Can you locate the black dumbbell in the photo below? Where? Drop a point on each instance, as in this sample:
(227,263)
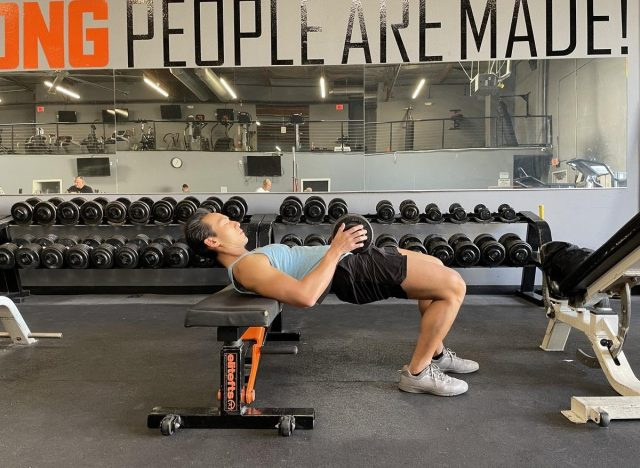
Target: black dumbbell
(164,239)
(409,212)
(203,261)
(24,239)
(78,256)
(437,246)
(28,256)
(314,240)
(465,252)
(53,256)
(213,204)
(350,220)
(139,211)
(93,240)
(152,255)
(291,210)
(518,251)
(103,257)
(432,214)
(458,214)
(291,240)
(314,210)
(235,208)
(116,211)
(141,240)
(385,213)
(482,213)
(68,212)
(117,240)
(47,239)
(177,255)
(128,255)
(386,240)
(337,208)
(69,241)
(22,211)
(492,252)
(507,214)
(413,243)
(185,209)
(92,211)
(162,211)
(45,212)
(8,256)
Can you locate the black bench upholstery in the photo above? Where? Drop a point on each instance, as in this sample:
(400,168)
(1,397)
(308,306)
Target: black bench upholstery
(228,308)
(619,246)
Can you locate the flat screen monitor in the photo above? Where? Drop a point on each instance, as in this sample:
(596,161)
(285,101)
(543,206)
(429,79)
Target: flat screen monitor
(67,116)
(109,116)
(93,167)
(263,166)
(170,112)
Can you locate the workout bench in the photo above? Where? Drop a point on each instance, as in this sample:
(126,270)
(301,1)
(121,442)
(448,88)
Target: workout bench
(16,328)
(581,301)
(245,323)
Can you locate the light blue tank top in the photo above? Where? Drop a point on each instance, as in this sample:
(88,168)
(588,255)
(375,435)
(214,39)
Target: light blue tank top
(294,261)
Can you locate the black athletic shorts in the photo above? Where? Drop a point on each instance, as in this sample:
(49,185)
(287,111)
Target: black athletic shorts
(371,276)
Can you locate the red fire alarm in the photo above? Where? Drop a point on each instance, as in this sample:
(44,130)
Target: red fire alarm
(339,106)
(39,109)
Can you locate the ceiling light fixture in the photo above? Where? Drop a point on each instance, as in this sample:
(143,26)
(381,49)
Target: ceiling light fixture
(323,88)
(278,149)
(62,89)
(228,88)
(156,86)
(258,123)
(418,88)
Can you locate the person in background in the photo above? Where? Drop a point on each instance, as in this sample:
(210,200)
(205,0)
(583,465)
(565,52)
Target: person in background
(266,186)
(79,186)
(185,188)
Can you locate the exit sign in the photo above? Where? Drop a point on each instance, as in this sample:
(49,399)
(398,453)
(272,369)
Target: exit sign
(40,109)
(339,106)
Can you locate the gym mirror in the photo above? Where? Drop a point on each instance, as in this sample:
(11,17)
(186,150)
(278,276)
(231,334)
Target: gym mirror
(544,123)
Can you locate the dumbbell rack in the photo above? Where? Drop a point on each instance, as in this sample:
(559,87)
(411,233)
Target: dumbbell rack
(537,233)
(261,229)
(21,282)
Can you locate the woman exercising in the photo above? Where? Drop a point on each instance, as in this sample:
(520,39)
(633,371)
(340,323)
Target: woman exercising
(301,276)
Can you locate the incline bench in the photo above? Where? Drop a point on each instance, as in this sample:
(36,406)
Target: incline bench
(581,300)
(244,324)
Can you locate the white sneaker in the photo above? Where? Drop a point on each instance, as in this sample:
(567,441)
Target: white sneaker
(431,380)
(449,362)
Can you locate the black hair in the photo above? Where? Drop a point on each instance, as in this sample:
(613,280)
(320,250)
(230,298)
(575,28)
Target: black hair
(185,185)
(196,231)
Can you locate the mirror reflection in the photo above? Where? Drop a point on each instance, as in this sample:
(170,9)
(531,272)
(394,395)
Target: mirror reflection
(472,125)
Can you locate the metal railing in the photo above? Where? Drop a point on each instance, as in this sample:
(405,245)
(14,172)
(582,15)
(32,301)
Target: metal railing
(267,136)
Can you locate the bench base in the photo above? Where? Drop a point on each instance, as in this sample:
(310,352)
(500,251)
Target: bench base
(170,419)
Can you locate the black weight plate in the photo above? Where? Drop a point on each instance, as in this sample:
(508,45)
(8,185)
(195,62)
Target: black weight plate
(350,220)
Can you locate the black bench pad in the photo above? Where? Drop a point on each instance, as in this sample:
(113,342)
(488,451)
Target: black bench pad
(228,308)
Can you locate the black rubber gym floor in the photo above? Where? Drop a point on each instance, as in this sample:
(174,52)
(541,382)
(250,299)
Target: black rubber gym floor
(83,401)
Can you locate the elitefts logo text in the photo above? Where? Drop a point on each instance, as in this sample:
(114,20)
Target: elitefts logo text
(231,382)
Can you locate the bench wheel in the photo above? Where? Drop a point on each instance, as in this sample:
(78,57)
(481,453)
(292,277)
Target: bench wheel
(287,425)
(170,424)
(605,420)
